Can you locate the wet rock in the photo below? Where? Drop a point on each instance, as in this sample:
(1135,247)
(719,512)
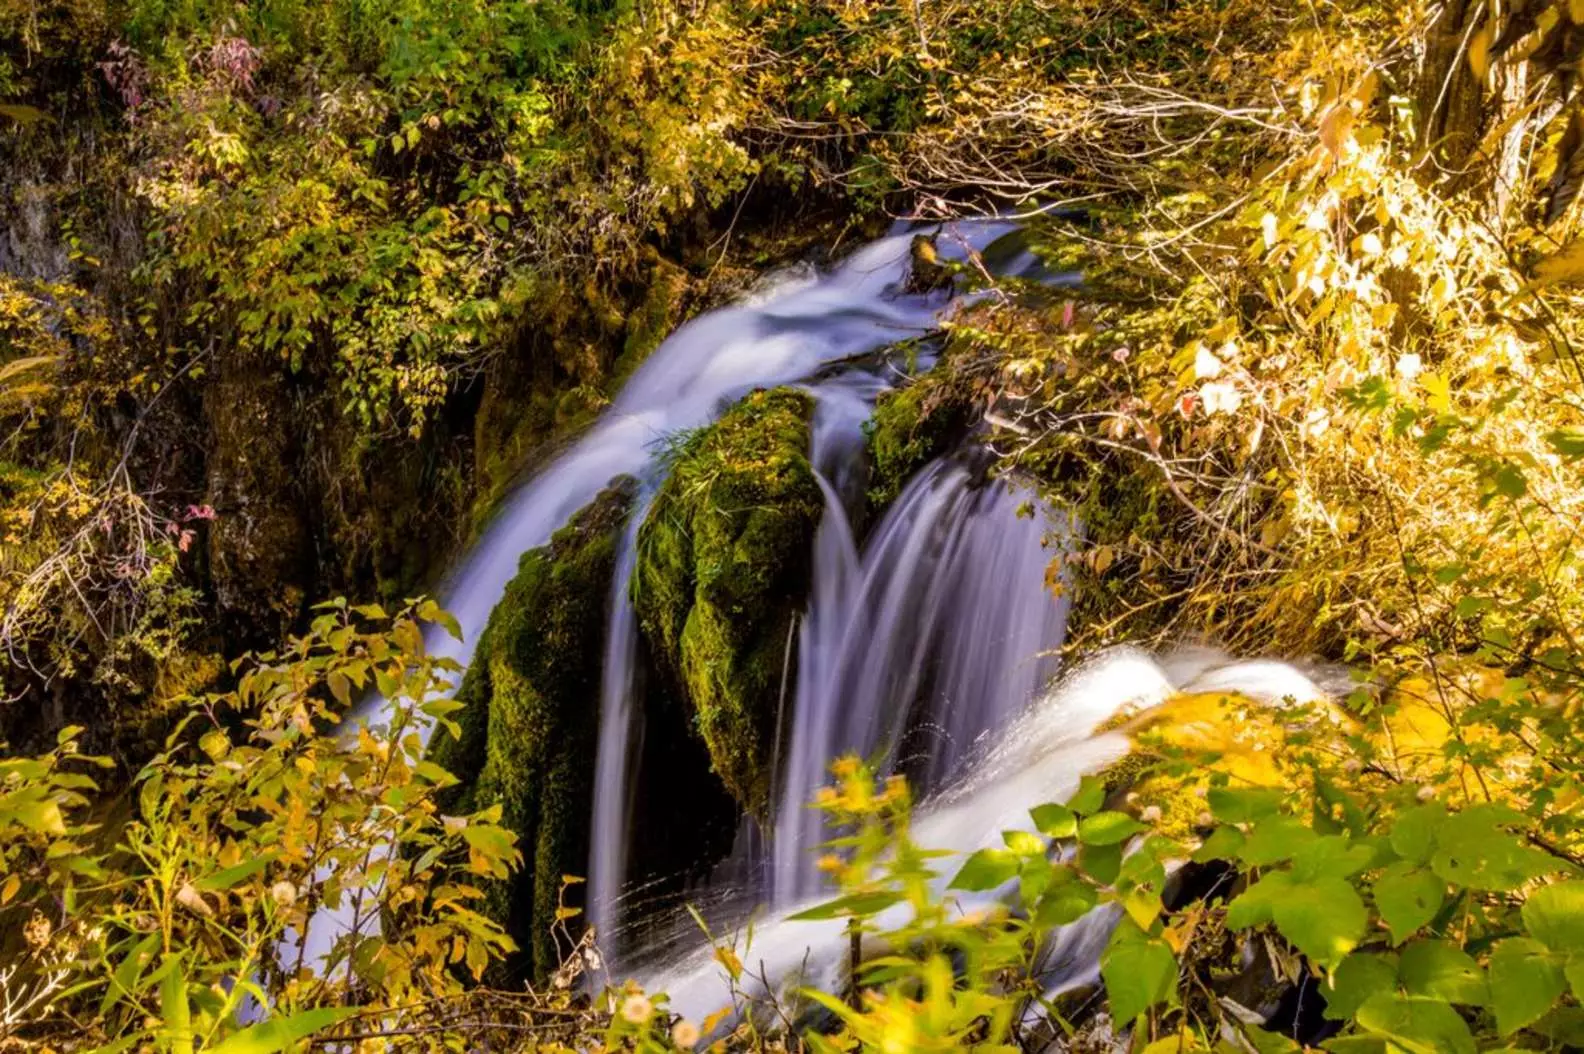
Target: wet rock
(531,719)
(723,568)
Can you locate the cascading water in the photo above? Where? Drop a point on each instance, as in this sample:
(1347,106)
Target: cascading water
(921,648)
(947,632)
(787,331)
(1038,757)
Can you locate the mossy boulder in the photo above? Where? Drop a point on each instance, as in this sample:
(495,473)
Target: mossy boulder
(723,567)
(531,719)
(914,425)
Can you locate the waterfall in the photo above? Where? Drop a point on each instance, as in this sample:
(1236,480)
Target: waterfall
(947,633)
(926,644)
(976,651)
(1039,756)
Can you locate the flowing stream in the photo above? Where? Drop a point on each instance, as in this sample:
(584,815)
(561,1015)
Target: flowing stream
(925,640)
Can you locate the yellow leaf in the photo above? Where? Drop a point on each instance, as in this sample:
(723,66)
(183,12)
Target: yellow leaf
(1438,392)
(12,884)
(1479,52)
(1576,11)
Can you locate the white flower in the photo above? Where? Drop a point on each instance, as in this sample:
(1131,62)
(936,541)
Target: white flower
(685,1034)
(1409,365)
(637,1008)
(1206,365)
(1220,397)
(284,893)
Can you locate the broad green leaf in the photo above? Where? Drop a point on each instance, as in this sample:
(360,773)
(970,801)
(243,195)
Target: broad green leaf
(1413,834)
(1525,981)
(1256,905)
(1107,828)
(1416,1024)
(281,1033)
(1244,804)
(1139,972)
(1554,915)
(1223,844)
(1356,979)
(986,870)
(1474,851)
(1275,838)
(1325,918)
(1054,821)
(1441,970)
(1090,796)
(1101,862)
(1065,904)
(1569,442)
(1334,856)
(1574,970)
(1408,898)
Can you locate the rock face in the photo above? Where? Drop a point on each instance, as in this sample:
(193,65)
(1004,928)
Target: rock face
(914,425)
(532,717)
(723,568)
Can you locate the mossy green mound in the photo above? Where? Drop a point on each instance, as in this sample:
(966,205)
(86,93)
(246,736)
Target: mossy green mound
(532,718)
(914,425)
(723,567)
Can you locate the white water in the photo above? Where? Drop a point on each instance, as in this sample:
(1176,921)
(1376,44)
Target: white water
(1039,757)
(945,632)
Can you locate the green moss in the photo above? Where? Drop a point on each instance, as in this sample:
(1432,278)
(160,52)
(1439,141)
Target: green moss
(529,727)
(662,309)
(914,425)
(723,566)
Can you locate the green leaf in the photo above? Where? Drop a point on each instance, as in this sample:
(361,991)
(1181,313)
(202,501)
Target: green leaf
(176,1028)
(1574,969)
(124,980)
(1054,821)
(1325,918)
(1413,835)
(861,905)
(1101,862)
(1474,851)
(1441,970)
(1569,442)
(1244,804)
(1554,915)
(1416,1024)
(281,1033)
(1275,838)
(1223,844)
(1525,981)
(1256,905)
(1139,972)
(1107,828)
(1356,979)
(1090,796)
(1407,898)
(986,870)
(1333,856)
(232,875)
(1065,904)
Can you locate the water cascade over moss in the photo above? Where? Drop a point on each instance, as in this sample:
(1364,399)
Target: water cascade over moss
(532,715)
(723,567)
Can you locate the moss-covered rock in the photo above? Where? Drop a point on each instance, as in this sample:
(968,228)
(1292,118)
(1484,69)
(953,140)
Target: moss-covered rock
(914,425)
(528,730)
(723,567)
